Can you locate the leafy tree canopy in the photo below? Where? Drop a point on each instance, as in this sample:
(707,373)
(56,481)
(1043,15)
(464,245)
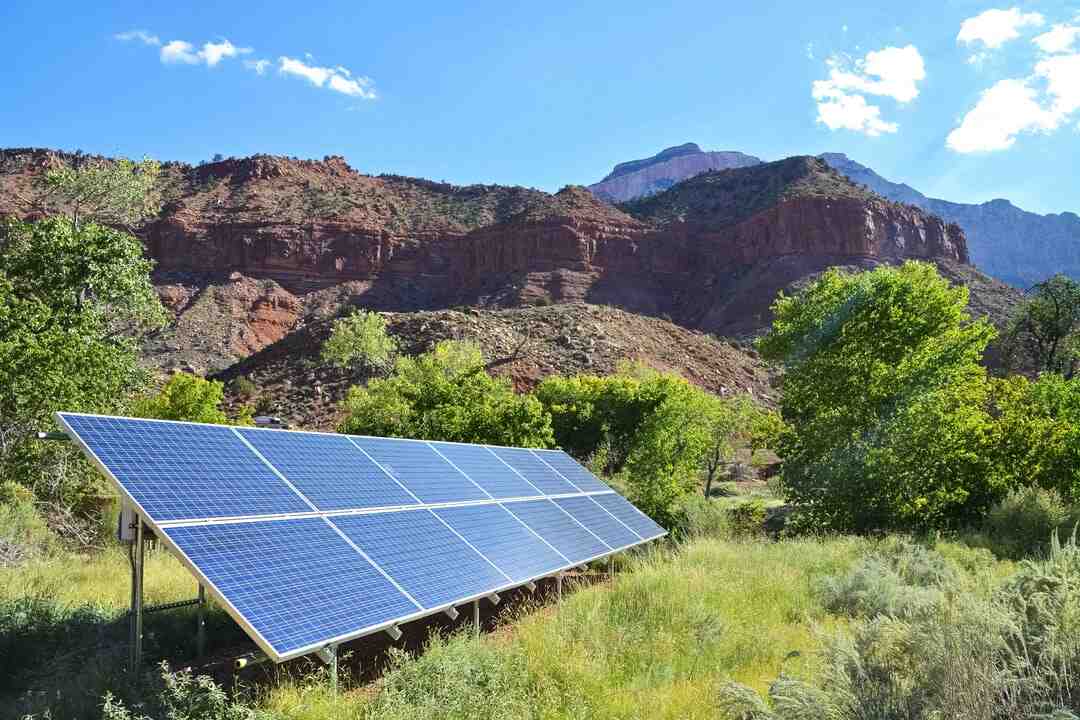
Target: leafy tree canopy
(188,397)
(1045,330)
(884,399)
(445,394)
(120,193)
(360,339)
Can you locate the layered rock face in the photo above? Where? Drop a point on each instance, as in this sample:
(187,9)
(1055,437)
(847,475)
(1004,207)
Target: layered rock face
(710,252)
(639,178)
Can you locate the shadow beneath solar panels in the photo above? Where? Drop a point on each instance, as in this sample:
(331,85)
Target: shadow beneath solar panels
(365,659)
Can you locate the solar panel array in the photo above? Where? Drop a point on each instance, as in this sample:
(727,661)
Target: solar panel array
(309,539)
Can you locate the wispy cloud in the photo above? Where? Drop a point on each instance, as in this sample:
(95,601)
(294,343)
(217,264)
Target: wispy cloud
(259,66)
(892,72)
(181,52)
(141,35)
(338,78)
(211,53)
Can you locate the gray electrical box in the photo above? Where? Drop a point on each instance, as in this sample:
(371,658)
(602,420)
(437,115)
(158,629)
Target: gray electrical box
(125,531)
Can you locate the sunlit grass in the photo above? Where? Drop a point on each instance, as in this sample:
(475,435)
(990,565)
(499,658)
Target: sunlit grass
(102,579)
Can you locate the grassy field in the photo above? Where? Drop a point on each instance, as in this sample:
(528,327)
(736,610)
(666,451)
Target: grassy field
(653,643)
(677,625)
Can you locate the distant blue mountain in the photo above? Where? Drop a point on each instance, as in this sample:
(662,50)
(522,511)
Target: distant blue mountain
(1014,245)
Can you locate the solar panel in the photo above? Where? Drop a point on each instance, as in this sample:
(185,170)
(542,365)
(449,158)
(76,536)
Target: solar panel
(594,517)
(421,553)
(572,470)
(535,470)
(297,583)
(420,469)
(496,477)
(329,470)
(629,515)
(309,539)
(562,531)
(177,471)
(506,541)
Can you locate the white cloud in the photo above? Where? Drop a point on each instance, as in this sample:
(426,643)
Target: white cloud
(994,28)
(259,66)
(212,53)
(337,78)
(1005,110)
(892,72)
(1058,39)
(180,51)
(810,51)
(142,36)
(838,110)
(1062,76)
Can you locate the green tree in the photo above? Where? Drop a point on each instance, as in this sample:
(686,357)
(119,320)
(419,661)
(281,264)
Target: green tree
(446,394)
(884,400)
(360,339)
(188,397)
(729,422)
(1045,329)
(73,304)
(1035,438)
(119,193)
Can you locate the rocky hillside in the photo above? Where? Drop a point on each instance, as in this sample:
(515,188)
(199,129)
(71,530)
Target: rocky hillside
(638,178)
(251,251)
(1014,245)
(567,338)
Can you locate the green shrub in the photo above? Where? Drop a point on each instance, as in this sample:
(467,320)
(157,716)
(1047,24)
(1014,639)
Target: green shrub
(924,643)
(244,388)
(180,696)
(747,517)
(698,517)
(360,339)
(1022,523)
(902,580)
(23,533)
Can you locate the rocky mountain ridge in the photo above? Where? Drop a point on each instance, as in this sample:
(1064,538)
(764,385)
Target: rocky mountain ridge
(249,251)
(1017,246)
(638,178)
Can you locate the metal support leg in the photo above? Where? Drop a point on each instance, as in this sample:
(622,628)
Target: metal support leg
(611,567)
(476,616)
(200,636)
(137,599)
(333,669)
(558,586)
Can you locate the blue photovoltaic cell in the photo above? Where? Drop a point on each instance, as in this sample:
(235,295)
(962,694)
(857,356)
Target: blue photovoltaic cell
(424,556)
(592,516)
(572,471)
(633,518)
(562,531)
(504,540)
(328,469)
(534,470)
(420,469)
(486,470)
(295,581)
(178,470)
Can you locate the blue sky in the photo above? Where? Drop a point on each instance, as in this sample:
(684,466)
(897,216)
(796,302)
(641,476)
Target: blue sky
(959,102)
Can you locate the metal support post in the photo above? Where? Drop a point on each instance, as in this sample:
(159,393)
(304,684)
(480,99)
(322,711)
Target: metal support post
(476,616)
(333,669)
(611,567)
(200,635)
(558,586)
(137,598)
